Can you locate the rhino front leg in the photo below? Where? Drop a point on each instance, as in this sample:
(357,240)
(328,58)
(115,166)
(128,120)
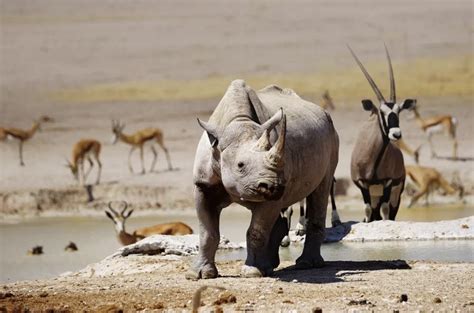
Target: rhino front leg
(209,204)
(258,262)
(316,207)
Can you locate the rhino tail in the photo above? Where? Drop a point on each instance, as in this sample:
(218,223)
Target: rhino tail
(335,220)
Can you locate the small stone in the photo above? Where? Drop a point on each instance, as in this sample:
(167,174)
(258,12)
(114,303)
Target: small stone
(437,300)
(403,297)
(4,295)
(43,294)
(317,310)
(294,281)
(288,301)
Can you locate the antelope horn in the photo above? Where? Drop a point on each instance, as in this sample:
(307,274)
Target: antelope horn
(393,97)
(277,152)
(112,209)
(369,79)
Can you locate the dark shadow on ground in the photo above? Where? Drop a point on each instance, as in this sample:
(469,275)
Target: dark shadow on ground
(334,271)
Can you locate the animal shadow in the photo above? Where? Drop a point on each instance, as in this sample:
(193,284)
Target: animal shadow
(335,271)
(337,233)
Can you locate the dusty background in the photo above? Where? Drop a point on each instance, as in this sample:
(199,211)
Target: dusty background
(165,63)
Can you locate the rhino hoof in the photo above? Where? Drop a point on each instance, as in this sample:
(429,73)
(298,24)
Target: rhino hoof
(302,264)
(206,272)
(250,272)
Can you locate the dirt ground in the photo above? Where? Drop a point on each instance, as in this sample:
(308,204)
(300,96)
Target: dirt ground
(56,45)
(362,286)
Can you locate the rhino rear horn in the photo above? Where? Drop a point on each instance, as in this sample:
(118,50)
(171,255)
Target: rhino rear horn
(276,155)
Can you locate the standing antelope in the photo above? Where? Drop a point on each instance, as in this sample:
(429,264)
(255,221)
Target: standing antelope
(146,136)
(326,102)
(85,149)
(438,124)
(427,179)
(402,145)
(125,238)
(21,135)
(377,165)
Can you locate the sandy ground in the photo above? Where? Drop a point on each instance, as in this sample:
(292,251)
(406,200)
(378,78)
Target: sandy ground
(364,286)
(57,45)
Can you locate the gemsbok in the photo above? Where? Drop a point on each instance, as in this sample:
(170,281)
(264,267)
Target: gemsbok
(438,124)
(85,149)
(428,179)
(147,136)
(377,165)
(21,135)
(126,238)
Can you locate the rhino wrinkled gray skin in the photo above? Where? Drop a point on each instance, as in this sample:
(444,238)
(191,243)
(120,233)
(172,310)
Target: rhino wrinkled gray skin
(264,150)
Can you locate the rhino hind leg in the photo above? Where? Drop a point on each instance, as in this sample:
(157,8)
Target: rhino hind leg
(316,210)
(261,251)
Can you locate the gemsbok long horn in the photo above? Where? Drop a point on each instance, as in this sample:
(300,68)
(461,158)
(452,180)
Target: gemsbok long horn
(369,79)
(393,97)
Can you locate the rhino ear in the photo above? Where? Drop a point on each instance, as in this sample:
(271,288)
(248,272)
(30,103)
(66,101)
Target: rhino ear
(212,132)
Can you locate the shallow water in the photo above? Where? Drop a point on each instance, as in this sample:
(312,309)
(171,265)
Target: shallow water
(96,239)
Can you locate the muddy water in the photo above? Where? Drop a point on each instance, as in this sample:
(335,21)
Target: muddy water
(96,239)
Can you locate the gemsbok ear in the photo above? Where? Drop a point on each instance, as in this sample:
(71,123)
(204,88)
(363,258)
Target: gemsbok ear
(368,105)
(212,132)
(408,104)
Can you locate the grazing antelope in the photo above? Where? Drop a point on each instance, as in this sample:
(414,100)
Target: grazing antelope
(327,102)
(402,145)
(21,135)
(138,140)
(85,149)
(428,179)
(377,165)
(125,238)
(438,124)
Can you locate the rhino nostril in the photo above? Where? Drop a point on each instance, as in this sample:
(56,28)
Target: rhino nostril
(263,186)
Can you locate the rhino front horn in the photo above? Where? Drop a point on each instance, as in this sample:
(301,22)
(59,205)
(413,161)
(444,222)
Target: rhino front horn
(276,155)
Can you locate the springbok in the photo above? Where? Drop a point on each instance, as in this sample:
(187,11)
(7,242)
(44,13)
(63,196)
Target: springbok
(139,139)
(438,124)
(415,154)
(377,165)
(85,149)
(125,238)
(428,179)
(327,102)
(21,135)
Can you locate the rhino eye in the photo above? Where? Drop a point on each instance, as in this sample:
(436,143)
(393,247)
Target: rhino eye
(240,165)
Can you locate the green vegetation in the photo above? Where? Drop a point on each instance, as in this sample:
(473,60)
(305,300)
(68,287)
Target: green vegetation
(427,77)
